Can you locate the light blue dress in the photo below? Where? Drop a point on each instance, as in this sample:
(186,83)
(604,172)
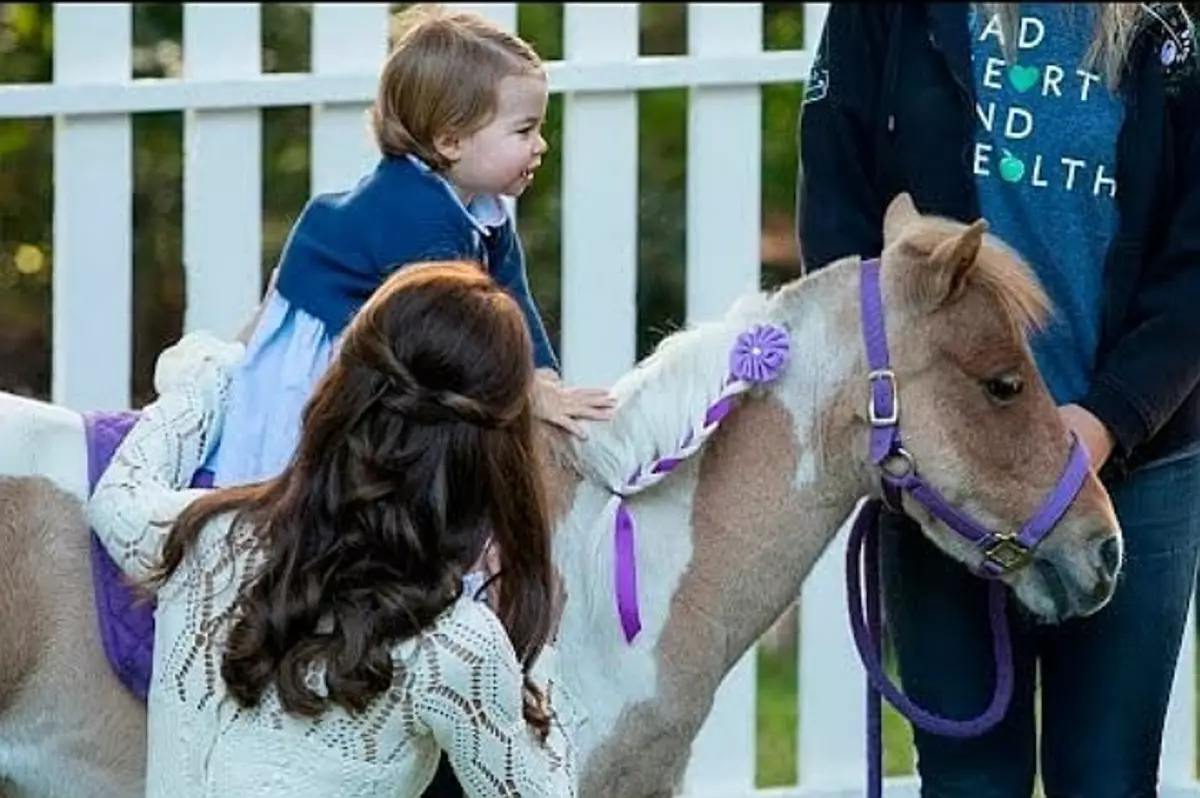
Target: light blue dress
(286,356)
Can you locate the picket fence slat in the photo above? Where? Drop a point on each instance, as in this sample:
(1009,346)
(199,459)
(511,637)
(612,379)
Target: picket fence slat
(724,230)
(92,281)
(347,39)
(600,201)
(222,177)
(1178,765)
(832,694)
(724,165)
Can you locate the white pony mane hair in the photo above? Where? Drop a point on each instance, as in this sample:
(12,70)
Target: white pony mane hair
(667,394)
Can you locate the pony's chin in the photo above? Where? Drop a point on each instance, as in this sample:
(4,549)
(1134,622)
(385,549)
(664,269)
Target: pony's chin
(1046,594)
(1033,599)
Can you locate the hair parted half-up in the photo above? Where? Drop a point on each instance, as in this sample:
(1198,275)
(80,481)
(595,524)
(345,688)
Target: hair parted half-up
(415,449)
(442,78)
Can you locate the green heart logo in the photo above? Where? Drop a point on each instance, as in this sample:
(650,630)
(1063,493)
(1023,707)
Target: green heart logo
(1012,168)
(1023,78)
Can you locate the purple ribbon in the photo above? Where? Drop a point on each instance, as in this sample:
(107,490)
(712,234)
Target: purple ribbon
(627,595)
(758,356)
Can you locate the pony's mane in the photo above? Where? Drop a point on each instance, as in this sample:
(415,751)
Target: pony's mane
(667,394)
(999,270)
(1003,273)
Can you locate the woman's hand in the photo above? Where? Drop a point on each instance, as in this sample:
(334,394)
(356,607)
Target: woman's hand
(564,407)
(1089,429)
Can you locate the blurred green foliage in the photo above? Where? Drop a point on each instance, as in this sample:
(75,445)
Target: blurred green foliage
(26,159)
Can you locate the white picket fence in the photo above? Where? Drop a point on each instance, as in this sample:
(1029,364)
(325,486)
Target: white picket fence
(223,92)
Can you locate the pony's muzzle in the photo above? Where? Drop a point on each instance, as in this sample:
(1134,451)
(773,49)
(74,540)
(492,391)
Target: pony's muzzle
(1111,555)
(1076,581)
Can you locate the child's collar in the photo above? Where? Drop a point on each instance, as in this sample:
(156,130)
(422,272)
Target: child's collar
(486,211)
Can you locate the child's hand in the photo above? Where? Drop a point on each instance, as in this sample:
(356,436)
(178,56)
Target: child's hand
(562,406)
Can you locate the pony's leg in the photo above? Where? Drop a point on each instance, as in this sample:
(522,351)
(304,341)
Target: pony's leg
(647,752)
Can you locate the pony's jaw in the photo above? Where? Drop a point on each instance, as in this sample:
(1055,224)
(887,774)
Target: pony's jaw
(1061,579)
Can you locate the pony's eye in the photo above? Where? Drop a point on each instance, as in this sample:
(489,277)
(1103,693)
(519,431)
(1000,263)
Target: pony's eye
(1003,390)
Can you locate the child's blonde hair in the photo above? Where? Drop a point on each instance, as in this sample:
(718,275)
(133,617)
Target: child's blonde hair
(441,79)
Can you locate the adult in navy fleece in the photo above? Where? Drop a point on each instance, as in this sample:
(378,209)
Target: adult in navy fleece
(1092,171)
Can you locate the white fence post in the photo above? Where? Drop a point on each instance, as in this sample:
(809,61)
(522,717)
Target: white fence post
(600,202)
(222,179)
(832,682)
(347,39)
(92,282)
(724,165)
(1178,767)
(724,232)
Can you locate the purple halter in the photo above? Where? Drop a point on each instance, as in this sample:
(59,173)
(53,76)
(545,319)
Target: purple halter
(1002,552)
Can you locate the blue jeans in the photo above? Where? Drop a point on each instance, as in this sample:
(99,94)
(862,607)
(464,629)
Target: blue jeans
(1105,680)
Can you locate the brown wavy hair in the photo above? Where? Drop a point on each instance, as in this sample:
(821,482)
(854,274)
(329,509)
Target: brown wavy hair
(441,79)
(415,449)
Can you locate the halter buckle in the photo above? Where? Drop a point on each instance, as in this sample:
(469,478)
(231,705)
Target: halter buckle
(873,414)
(1007,553)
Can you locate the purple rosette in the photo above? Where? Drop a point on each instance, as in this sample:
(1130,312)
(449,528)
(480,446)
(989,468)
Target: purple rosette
(760,354)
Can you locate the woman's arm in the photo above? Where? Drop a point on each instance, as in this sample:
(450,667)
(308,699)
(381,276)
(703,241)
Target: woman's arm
(840,209)
(145,486)
(1155,365)
(467,688)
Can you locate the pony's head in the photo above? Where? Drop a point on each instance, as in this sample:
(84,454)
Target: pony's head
(976,417)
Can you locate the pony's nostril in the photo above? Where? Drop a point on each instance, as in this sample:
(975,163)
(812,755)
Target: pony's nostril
(1056,589)
(1110,555)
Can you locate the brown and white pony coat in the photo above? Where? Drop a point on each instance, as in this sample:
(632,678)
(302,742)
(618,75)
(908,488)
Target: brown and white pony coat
(722,545)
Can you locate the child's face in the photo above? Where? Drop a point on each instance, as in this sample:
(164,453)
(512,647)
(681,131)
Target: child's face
(500,157)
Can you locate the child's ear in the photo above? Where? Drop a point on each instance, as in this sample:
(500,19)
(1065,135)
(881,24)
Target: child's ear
(449,146)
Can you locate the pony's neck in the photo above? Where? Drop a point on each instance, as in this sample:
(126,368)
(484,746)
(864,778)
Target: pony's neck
(560,468)
(722,545)
(824,387)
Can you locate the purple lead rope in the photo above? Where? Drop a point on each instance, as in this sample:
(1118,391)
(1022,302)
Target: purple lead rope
(863,554)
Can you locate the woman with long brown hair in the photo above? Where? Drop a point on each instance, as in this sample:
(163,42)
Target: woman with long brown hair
(312,635)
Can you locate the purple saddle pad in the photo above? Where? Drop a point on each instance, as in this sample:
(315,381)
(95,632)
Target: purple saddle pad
(126,628)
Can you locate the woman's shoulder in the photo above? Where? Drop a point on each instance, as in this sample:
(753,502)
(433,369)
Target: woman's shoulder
(467,618)
(465,637)
(221,550)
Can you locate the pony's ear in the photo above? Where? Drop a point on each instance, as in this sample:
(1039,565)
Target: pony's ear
(950,264)
(900,213)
